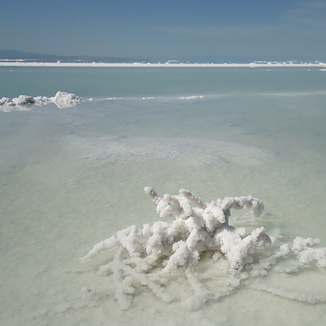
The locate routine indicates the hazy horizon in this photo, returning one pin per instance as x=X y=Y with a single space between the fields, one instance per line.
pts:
x=14 y=54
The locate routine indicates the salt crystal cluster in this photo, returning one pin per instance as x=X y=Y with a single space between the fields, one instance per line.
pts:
x=149 y=255
x=65 y=100
x=24 y=102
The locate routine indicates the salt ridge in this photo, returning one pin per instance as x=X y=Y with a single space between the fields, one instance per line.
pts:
x=24 y=102
x=165 y=65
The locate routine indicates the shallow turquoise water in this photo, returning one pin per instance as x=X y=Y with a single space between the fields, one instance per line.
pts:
x=72 y=177
x=140 y=82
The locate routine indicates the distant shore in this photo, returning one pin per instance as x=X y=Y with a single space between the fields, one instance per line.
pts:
x=162 y=65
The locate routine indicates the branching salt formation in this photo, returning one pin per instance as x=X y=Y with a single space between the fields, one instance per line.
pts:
x=148 y=256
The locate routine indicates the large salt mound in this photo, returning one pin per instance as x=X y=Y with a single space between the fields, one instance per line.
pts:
x=23 y=102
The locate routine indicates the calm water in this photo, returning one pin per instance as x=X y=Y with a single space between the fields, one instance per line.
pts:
x=70 y=178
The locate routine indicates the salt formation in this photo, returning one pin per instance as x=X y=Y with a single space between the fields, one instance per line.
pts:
x=65 y=100
x=24 y=102
x=148 y=256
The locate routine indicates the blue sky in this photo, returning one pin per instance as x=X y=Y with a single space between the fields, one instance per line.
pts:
x=171 y=28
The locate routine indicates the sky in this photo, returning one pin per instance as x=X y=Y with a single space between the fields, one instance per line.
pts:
x=174 y=29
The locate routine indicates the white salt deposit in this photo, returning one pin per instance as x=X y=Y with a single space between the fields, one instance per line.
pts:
x=23 y=102
x=65 y=100
x=149 y=255
x=192 y=97
x=163 y=65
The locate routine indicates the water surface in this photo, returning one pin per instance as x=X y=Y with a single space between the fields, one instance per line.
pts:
x=70 y=178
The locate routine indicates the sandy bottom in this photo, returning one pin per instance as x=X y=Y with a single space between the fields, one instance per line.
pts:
x=72 y=178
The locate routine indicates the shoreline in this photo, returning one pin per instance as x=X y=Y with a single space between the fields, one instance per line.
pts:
x=162 y=65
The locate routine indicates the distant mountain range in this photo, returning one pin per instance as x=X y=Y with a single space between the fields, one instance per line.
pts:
x=29 y=56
